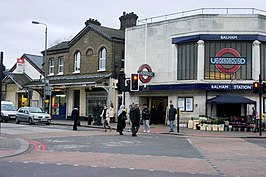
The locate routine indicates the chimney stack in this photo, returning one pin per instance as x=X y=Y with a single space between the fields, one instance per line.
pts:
x=128 y=20
x=92 y=21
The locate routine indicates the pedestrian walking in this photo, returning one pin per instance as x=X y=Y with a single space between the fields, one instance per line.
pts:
x=255 y=117
x=146 y=118
x=135 y=118
x=111 y=113
x=105 y=119
x=122 y=117
x=172 y=113
x=75 y=117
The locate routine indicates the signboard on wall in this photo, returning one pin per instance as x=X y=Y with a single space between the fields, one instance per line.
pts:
x=234 y=62
x=20 y=65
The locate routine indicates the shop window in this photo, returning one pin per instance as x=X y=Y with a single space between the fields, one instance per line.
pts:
x=51 y=66
x=185 y=104
x=60 y=65
x=102 y=59
x=77 y=62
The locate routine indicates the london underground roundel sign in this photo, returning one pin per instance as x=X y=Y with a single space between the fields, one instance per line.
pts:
x=236 y=61
x=145 y=73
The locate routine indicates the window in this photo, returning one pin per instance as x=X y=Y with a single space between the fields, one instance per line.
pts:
x=102 y=60
x=60 y=65
x=185 y=104
x=77 y=62
x=51 y=66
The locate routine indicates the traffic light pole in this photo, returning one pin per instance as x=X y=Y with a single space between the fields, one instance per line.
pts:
x=260 y=95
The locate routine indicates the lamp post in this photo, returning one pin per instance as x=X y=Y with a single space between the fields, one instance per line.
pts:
x=44 y=61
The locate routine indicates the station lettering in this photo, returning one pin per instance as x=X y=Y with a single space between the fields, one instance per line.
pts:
x=226 y=37
x=231 y=87
x=228 y=60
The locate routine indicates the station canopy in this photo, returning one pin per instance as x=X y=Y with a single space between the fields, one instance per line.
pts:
x=230 y=99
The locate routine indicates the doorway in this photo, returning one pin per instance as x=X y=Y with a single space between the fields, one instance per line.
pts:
x=157 y=106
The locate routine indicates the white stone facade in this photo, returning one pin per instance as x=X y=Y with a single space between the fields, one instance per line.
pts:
x=152 y=44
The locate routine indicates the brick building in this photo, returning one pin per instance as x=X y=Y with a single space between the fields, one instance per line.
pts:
x=83 y=71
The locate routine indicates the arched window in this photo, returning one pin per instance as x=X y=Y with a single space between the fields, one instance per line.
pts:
x=77 y=62
x=102 y=59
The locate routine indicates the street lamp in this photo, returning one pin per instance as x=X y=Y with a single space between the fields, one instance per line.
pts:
x=44 y=61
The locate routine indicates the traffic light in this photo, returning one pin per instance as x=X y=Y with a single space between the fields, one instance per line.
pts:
x=256 y=87
x=121 y=82
x=134 y=85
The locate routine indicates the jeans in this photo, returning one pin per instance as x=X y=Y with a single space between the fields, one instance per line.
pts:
x=146 y=125
x=171 y=122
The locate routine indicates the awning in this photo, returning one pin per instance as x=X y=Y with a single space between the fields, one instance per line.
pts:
x=19 y=79
x=230 y=99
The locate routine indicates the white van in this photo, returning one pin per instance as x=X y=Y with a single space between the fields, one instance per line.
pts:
x=8 y=111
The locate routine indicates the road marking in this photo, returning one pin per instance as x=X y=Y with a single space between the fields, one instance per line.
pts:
x=37 y=145
x=25 y=162
x=58 y=164
x=76 y=165
x=131 y=168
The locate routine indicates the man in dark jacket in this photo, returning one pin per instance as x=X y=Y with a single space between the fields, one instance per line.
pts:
x=146 y=118
x=75 y=117
x=172 y=113
x=135 y=118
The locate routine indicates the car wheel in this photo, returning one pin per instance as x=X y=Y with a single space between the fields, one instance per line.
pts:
x=17 y=120
x=30 y=121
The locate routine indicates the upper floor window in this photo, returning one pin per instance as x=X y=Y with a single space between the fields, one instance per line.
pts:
x=60 y=65
x=77 y=62
x=102 y=59
x=51 y=66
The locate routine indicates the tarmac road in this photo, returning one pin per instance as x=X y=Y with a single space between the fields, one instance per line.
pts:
x=59 y=150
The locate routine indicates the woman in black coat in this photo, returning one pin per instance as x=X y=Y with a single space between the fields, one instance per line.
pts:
x=75 y=117
x=122 y=116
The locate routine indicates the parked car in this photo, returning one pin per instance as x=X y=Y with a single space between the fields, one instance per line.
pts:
x=8 y=111
x=32 y=115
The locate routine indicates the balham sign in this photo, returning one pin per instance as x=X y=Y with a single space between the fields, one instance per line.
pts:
x=145 y=73
x=236 y=61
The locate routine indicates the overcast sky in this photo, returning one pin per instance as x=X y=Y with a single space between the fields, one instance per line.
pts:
x=65 y=18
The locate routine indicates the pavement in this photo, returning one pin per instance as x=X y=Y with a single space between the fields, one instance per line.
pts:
x=10 y=146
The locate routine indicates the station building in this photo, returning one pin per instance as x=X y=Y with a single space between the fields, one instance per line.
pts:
x=191 y=59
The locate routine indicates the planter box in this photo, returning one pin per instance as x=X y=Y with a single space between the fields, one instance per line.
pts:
x=214 y=127
x=203 y=127
x=209 y=127
x=195 y=123
x=190 y=124
x=221 y=127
